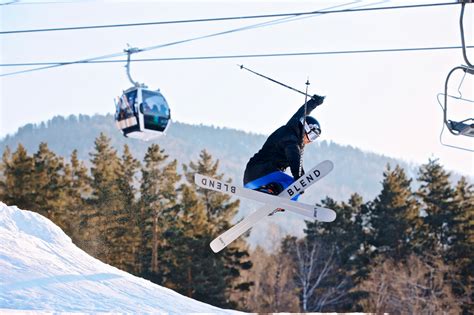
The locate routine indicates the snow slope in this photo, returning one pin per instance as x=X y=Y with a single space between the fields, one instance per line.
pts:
x=42 y=270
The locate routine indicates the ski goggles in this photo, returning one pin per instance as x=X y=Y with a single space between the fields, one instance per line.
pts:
x=312 y=131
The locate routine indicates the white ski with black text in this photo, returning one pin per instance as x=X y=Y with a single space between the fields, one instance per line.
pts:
x=283 y=200
x=310 y=211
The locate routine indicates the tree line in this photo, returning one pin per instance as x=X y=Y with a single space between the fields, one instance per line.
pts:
x=157 y=225
x=407 y=251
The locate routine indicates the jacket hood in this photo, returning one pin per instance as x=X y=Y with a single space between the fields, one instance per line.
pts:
x=295 y=126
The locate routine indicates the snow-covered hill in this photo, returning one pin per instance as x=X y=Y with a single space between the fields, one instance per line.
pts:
x=42 y=270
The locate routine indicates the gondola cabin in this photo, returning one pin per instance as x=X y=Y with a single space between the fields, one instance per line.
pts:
x=142 y=113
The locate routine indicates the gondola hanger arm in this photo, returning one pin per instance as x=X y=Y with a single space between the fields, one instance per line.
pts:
x=130 y=51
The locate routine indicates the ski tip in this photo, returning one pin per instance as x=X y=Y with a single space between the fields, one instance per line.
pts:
x=325 y=215
x=197 y=178
x=329 y=164
x=332 y=216
x=217 y=245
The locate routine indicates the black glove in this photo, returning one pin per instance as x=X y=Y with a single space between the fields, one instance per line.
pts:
x=318 y=100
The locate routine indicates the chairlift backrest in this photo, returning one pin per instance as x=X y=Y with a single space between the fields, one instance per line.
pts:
x=457 y=127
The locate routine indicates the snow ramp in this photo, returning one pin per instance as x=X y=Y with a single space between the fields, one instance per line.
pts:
x=42 y=271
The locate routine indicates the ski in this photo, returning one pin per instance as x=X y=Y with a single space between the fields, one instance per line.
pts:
x=302 y=183
x=312 y=212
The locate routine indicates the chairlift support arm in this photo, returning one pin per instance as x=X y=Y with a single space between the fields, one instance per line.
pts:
x=461 y=27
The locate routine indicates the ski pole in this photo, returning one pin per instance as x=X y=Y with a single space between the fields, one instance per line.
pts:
x=275 y=81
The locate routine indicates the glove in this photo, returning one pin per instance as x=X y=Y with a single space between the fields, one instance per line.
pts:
x=318 y=100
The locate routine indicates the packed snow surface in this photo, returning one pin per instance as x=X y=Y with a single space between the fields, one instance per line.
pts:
x=41 y=270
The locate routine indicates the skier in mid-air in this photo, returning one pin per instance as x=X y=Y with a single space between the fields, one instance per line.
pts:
x=283 y=149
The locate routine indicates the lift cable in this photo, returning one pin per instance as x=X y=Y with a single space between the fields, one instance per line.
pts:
x=318 y=12
x=262 y=24
x=18 y=2
x=92 y=60
x=237 y=56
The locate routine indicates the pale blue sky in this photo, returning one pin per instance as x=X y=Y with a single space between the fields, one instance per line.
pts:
x=379 y=102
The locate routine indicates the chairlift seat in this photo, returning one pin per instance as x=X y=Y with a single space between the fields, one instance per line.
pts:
x=462 y=128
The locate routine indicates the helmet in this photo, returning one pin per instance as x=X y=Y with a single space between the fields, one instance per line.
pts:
x=312 y=128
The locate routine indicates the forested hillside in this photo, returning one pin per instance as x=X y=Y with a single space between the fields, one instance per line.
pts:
x=135 y=206
x=355 y=170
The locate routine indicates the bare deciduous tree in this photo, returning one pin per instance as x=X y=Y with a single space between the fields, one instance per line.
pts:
x=417 y=286
x=273 y=289
x=316 y=263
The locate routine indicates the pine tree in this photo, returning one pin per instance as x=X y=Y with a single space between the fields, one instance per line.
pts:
x=6 y=156
x=128 y=168
x=359 y=252
x=462 y=250
x=181 y=252
x=80 y=187
x=435 y=231
x=158 y=199
x=5 y=165
x=393 y=212
x=202 y=215
x=127 y=240
x=49 y=185
x=18 y=184
x=220 y=210
x=107 y=206
x=105 y=170
x=77 y=191
x=45 y=184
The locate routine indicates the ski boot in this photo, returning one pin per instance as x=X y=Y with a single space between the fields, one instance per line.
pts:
x=272 y=189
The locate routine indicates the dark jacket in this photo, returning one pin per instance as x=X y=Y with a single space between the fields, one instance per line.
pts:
x=283 y=147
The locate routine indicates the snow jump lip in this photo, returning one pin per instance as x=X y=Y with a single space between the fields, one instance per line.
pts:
x=43 y=271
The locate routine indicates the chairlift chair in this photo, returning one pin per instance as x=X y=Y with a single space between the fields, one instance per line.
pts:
x=466 y=126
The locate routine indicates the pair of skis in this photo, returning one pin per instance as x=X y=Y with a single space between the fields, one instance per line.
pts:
x=283 y=200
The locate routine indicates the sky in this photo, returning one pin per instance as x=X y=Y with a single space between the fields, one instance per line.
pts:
x=41 y=270
x=379 y=102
